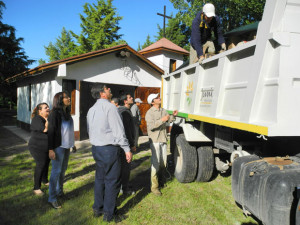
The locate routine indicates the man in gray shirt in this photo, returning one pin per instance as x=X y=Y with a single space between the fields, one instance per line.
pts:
x=106 y=134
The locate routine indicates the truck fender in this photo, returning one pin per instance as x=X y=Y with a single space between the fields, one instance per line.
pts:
x=193 y=134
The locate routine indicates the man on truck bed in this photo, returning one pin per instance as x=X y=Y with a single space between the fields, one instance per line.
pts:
x=204 y=23
x=156 y=118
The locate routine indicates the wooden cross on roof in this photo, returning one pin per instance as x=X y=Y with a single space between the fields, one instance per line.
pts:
x=164 y=16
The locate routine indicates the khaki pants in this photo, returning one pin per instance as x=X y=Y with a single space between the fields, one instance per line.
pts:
x=158 y=161
x=208 y=47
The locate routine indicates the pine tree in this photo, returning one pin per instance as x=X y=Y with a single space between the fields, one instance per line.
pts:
x=64 y=47
x=139 y=47
x=100 y=26
x=148 y=42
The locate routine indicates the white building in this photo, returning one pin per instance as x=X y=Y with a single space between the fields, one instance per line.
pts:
x=165 y=54
x=121 y=67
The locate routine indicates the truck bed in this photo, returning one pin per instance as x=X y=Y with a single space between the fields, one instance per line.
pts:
x=254 y=87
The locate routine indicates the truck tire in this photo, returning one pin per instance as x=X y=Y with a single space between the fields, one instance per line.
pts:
x=206 y=163
x=175 y=131
x=185 y=159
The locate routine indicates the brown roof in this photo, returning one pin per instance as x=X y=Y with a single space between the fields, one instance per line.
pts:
x=78 y=58
x=164 y=44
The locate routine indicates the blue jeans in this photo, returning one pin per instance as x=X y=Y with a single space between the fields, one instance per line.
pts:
x=107 y=178
x=59 y=167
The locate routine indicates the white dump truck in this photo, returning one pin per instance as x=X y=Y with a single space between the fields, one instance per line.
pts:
x=244 y=101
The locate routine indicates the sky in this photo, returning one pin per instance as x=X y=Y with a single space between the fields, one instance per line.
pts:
x=40 y=22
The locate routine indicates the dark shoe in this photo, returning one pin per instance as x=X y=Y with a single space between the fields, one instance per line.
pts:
x=61 y=194
x=127 y=192
x=97 y=213
x=55 y=205
x=74 y=150
x=115 y=218
x=108 y=218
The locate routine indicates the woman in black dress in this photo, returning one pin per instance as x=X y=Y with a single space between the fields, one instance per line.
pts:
x=38 y=145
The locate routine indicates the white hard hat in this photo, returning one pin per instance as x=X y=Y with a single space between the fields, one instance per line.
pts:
x=209 y=10
x=151 y=97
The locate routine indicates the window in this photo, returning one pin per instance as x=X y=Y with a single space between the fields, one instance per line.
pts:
x=69 y=86
x=172 y=65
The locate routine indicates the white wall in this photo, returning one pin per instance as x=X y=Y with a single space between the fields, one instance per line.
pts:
x=162 y=59
x=112 y=70
x=23 y=112
x=40 y=92
x=157 y=59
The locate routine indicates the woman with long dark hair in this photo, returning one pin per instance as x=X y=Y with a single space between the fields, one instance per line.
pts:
x=60 y=140
x=38 y=145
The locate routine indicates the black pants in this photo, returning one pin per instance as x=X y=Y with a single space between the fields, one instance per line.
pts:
x=42 y=161
x=125 y=171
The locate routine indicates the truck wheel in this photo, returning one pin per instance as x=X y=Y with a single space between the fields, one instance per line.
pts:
x=175 y=131
x=205 y=163
x=185 y=159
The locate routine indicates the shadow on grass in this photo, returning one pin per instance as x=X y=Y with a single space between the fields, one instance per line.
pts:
x=20 y=209
x=141 y=183
x=251 y=215
x=249 y=223
x=78 y=191
x=137 y=162
x=16 y=177
x=82 y=172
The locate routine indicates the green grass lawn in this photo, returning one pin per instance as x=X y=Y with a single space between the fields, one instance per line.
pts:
x=193 y=203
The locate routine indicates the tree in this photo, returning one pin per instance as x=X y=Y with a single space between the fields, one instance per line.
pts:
x=176 y=31
x=139 y=47
x=233 y=13
x=41 y=61
x=64 y=47
x=99 y=27
x=147 y=42
x=12 y=58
